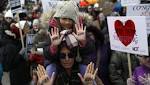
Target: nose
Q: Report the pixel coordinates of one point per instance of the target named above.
(67, 57)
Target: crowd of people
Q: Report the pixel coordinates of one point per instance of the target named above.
(70, 46)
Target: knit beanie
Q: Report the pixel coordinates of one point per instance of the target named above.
(68, 10)
(36, 22)
(8, 14)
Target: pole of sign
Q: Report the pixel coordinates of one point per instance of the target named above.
(129, 65)
(20, 31)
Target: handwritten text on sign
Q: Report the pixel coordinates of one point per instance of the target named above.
(140, 10)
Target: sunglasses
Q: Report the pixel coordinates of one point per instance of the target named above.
(63, 55)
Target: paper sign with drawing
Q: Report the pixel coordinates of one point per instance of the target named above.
(128, 34)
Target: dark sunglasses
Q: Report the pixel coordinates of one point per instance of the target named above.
(63, 55)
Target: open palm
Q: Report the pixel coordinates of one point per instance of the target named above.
(43, 78)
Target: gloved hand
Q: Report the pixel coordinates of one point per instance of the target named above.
(130, 81)
(145, 79)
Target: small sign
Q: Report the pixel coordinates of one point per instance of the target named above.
(128, 34)
(130, 2)
(140, 10)
(15, 5)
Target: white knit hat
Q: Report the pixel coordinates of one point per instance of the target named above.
(68, 10)
(96, 5)
(9, 14)
(22, 24)
(36, 22)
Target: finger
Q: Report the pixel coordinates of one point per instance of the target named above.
(43, 70)
(95, 73)
(50, 36)
(77, 28)
(85, 29)
(92, 68)
(52, 78)
(81, 27)
(52, 32)
(39, 71)
(75, 35)
(82, 79)
(90, 65)
(87, 68)
(38, 74)
(57, 32)
(142, 79)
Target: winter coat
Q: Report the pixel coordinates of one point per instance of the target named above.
(118, 68)
(13, 62)
(40, 40)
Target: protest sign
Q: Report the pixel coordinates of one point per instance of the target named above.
(51, 4)
(128, 34)
(15, 5)
(140, 10)
(130, 2)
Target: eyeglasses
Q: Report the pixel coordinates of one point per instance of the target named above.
(63, 55)
(8, 18)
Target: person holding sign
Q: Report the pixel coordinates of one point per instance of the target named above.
(141, 74)
(13, 57)
(118, 67)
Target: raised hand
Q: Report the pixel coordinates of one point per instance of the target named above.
(54, 36)
(80, 32)
(130, 81)
(89, 76)
(43, 78)
(145, 79)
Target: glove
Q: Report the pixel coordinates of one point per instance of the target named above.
(130, 81)
(145, 79)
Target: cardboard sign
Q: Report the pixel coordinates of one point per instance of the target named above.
(51, 4)
(140, 10)
(130, 2)
(29, 41)
(15, 5)
(128, 34)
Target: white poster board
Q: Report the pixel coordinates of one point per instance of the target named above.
(128, 34)
(140, 10)
(51, 4)
(22, 2)
(15, 5)
(130, 2)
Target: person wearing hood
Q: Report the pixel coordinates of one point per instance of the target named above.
(66, 25)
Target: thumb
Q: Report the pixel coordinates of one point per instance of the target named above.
(82, 79)
(52, 77)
